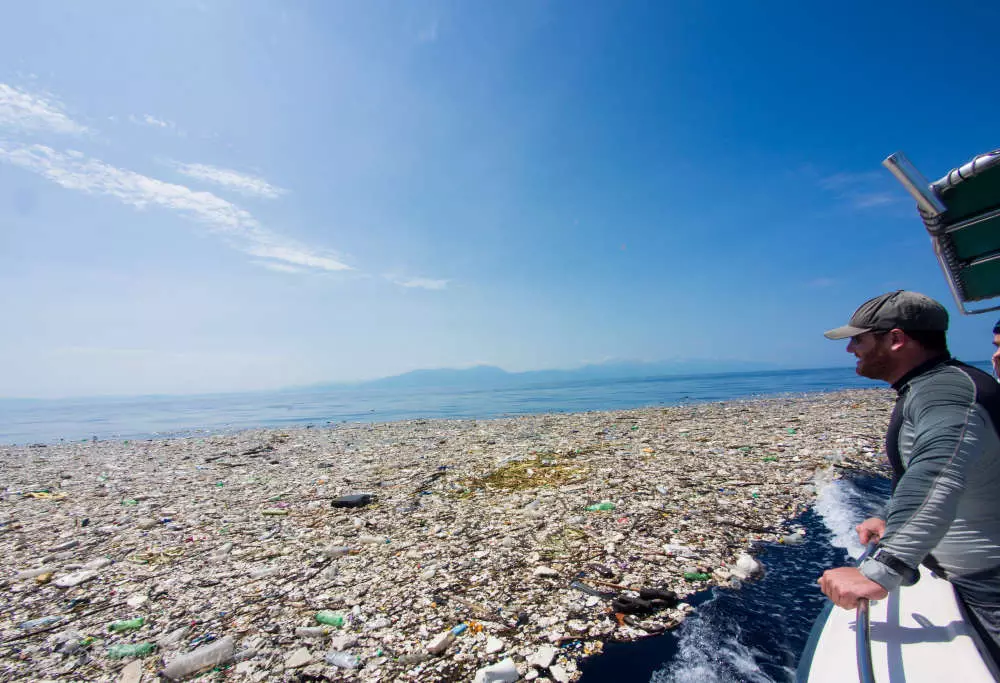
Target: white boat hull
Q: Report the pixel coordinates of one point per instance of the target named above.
(918, 634)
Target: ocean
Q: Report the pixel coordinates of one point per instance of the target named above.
(758, 632)
(140, 417)
(752, 634)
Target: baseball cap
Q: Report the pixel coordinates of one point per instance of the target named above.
(900, 309)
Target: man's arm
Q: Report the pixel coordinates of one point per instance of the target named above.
(946, 442)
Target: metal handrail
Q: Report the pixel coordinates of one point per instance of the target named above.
(863, 644)
(915, 183)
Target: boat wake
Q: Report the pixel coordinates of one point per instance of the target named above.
(757, 633)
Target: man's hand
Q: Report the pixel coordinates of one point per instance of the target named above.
(846, 585)
(870, 530)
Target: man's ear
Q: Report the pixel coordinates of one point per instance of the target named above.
(898, 339)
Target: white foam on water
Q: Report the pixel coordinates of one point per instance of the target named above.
(841, 506)
(711, 653)
(711, 649)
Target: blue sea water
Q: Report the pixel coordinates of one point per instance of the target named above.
(46, 421)
(758, 632)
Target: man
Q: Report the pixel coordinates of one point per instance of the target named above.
(996, 354)
(944, 448)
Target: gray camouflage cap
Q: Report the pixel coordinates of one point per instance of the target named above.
(907, 311)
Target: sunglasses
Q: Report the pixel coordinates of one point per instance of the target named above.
(856, 339)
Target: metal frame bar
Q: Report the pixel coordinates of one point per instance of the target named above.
(932, 206)
(915, 183)
(968, 222)
(953, 286)
(866, 673)
(862, 640)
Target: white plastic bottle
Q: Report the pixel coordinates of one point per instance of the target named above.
(205, 657)
(345, 660)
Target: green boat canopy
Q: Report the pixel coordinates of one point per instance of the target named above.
(962, 214)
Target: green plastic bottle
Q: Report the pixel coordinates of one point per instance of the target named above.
(126, 624)
(137, 650)
(696, 576)
(330, 618)
(603, 506)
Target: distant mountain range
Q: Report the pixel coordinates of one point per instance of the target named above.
(489, 376)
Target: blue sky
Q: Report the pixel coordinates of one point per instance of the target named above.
(206, 196)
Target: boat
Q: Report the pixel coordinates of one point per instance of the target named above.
(921, 632)
(917, 634)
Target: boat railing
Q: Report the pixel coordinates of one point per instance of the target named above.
(863, 641)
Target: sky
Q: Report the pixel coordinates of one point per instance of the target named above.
(202, 196)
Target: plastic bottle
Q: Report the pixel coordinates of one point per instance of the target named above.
(603, 506)
(136, 650)
(312, 631)
(330, 618)
(174, 637)
(504, 671)
(126, 624)
(345, 660)
(441, 643)
(337, 551)
(264, 571)
(696, 576)
(205, 657)
(34, 573)
(39, 623)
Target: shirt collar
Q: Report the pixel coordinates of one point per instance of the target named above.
(919, 370)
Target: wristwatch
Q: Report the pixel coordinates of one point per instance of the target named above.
(909, 574)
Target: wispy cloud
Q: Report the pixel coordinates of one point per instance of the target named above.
(75, 171)
(419, 283)
(863, 190)
(150, 120)
(842, 181)
(22, 111)
(243, 183)
(279, 267)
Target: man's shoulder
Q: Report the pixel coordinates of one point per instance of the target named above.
(955, 380)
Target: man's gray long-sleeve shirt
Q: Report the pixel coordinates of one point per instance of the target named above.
(945, 449)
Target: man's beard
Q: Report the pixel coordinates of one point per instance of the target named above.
(874, 365)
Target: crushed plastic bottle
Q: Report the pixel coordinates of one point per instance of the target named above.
(135, 650)
(312, 631)
(205, 657)
(264, 572)
(39, 623)
(603, 506)
(344, 660)
(126, 624)
(330, 618)
(696, 576)
(443, 641)
(504, 671)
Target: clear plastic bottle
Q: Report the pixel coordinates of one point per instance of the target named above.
(345, 660)
(39, 623)
(312, 631)
(205, 657)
